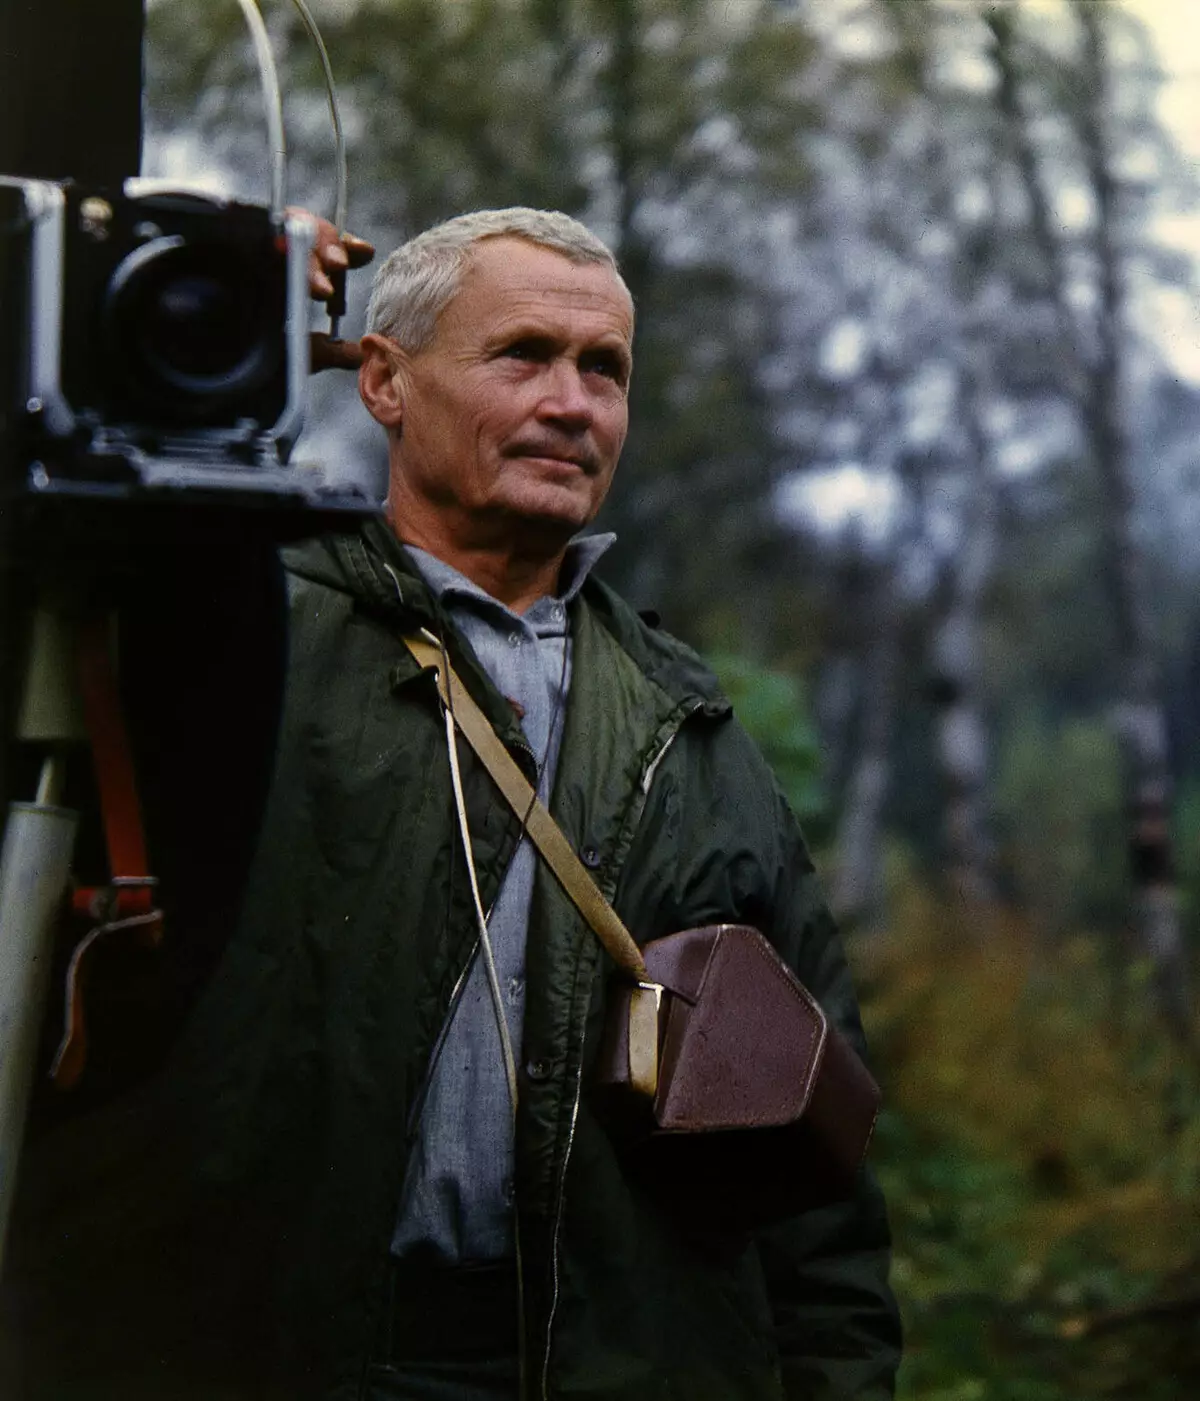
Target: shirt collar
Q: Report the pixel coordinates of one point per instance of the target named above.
(579, 560)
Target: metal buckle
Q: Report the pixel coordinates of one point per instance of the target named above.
(656, 988)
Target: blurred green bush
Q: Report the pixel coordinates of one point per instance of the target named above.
(1041, 1158)
(1040, 1145)
(774, 709)
(1058, 804)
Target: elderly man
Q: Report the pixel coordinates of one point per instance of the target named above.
(384, 1227)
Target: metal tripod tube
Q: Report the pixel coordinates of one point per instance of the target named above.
(35, 864)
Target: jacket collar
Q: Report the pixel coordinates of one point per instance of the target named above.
(374, 567)
(671, 664)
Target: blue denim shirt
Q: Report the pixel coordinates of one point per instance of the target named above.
(457, 1200)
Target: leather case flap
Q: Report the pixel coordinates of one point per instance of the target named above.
(748, 1052)
(679, 961)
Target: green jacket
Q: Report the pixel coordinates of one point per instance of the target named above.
(307, 1056)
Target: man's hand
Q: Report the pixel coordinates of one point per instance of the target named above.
(332, 257)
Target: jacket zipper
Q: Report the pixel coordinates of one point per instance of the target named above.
(646, 781)
(418, 1104)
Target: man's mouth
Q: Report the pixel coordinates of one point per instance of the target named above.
(544, 452)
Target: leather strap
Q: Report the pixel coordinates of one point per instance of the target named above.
(558, 854)
(120, 807)
(129, 901)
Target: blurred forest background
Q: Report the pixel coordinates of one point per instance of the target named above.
(912, 464)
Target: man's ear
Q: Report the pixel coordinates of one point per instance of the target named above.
(380, 380)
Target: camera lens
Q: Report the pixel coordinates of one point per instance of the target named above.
(194, 324)
(196, 327)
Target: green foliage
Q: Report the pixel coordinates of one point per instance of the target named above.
(1058, 797)
(773, 708)
(1040, 1164)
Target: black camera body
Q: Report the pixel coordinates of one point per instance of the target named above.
(153, 348)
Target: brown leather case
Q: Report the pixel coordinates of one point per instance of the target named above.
(754, 1106)
(763, 1108)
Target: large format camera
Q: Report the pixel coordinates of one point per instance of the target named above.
(153, 348)
(154, 358)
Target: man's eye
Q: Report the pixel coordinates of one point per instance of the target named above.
(610, 366)
(525, 350)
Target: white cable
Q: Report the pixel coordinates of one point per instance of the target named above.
(489, 963)
(339, 204)
(268, 76)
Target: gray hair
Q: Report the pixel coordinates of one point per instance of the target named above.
(415, 284)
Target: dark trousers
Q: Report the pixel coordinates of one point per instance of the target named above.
(448, 1335)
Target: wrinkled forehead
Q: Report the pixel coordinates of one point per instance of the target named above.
(509, 270)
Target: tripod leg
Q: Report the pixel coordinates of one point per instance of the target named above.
(35, 864)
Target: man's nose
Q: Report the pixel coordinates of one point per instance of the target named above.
(566, 398)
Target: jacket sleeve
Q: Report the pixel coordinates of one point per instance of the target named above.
(740, 855)
(837, 1323)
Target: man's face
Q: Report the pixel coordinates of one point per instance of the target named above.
(515, 414)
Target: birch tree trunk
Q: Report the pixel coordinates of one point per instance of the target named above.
(952, 252)
(858, 894)
(960, 729)
(1092, 353)
(956, 652)
(1139, 715)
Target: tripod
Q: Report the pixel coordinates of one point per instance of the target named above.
(35, 865)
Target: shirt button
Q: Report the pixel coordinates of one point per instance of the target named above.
(558, 612)
(516, 986)
(514, 639)
(590, 856)
(538, 1070)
